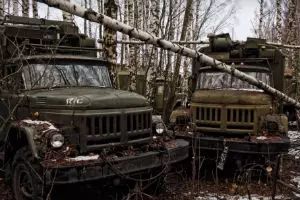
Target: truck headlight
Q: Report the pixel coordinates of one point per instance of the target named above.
(57, 140)
(159, 128)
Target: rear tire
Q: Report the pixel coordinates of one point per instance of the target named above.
(26, 183)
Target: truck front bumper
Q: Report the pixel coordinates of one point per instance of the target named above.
(97, 169)
(252, 145)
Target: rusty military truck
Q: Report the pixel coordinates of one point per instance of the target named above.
(61, 119)
(228, 114)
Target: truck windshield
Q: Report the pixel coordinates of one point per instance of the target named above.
(221, 80)
(67, 75)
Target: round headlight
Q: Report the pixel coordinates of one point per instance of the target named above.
(160, 128)
(57, 140)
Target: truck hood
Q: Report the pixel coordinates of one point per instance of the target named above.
(84, 97)
(243, 97)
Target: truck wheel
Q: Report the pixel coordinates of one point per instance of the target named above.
(26, 184)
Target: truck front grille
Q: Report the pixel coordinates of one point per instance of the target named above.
(104, 125)
(119, 128)
(208, 114)
(215, 118)
(240, 115)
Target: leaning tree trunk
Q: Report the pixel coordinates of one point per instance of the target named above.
(110, 37)
(35, 9)
(67, 17)
(164, 44)
(25, 8)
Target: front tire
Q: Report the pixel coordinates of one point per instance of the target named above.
(26, 183)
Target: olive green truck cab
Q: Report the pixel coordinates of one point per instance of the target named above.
(61, 119)
(229, 114)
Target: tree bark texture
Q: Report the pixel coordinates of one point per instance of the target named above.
(15, 8)
(278, 21)
(175, 80)
(90, 24)
(124, 36)
(35, 9)
(1, 9)
(187, 60)
(67, 17)
(100, 8)
(110, 37)
(152, 69)
(261, 15)
(292, 40)
(167, 72)
(25, 8)
(132, 65)
(85, 21)
(164, 44)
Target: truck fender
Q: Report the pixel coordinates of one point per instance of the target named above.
(25, 136)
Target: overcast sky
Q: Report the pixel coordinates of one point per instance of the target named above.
(242, 25)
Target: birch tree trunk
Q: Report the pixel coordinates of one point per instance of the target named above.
(25, 8)
(124, 36)
(292, 40)
(100, 5)
(175, 80)
(110, 37)
(291, 22)
(163, 34)
(137, 25)
(35, 9)
(1, 9)
(67, 17)
(9, 7)
(85, 21)
(196, 21)
(186, 59)
(167, 72)
(154, 29)
(278, 21)
(296, 52)
(261, 15)
(132, 67)
(164, 44)
(90, 24)
(15, 8)
(146, 20)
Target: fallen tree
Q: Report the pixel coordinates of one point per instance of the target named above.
(92, 15)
